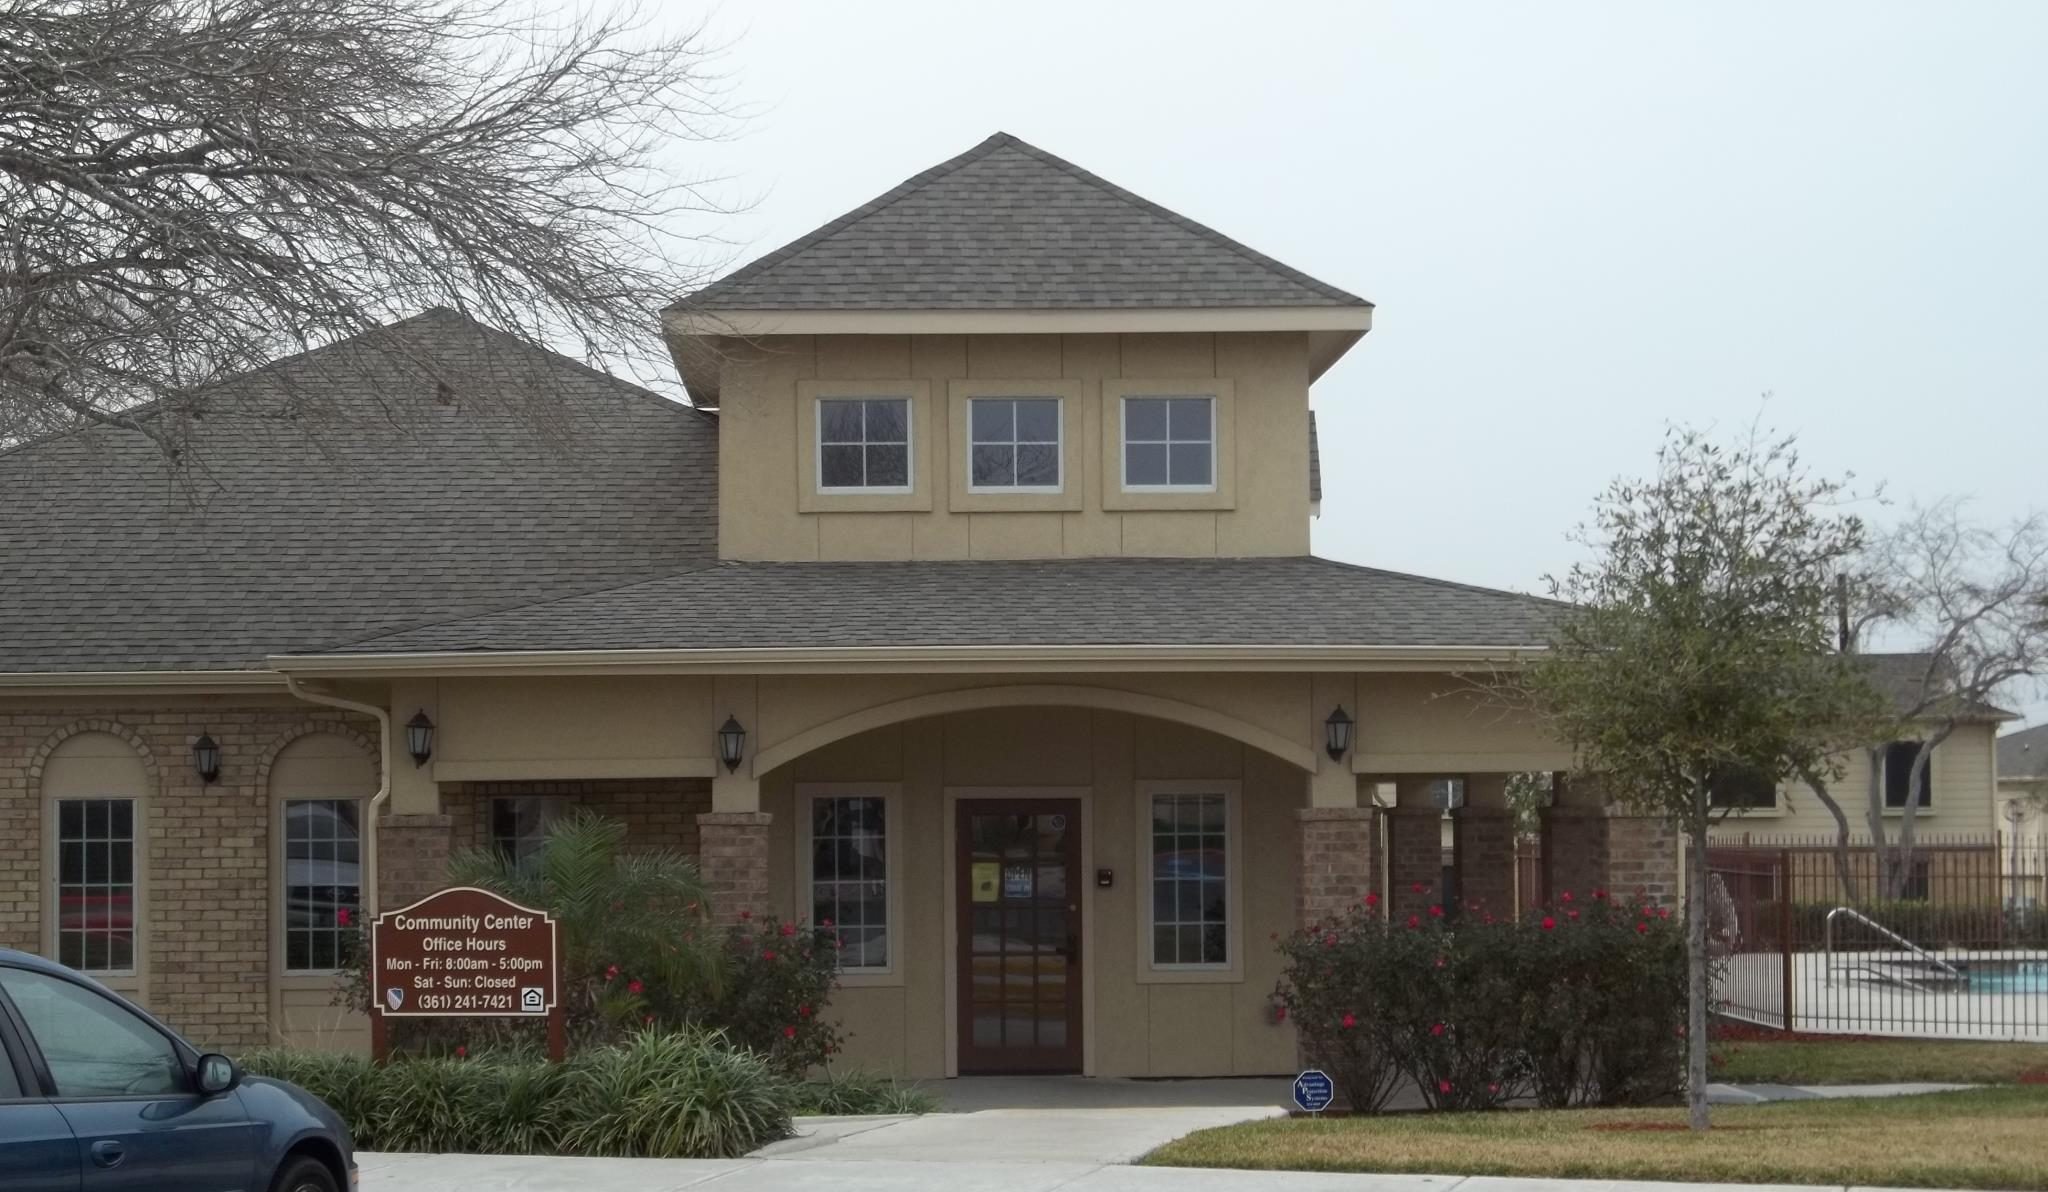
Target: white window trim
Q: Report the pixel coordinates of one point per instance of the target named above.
(125, 980)
(891, 795)
(1059, 445)
(818, 445)
(1124, 433)
(282, 877)
(1232, 970)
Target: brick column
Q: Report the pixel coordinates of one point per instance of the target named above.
(412, 858)
(732, 849)
(1485, 839)
(1589, 843)
(1642, 854)
(1415, 857)
(1339, 861)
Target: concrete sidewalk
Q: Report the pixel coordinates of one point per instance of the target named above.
(470, 1173)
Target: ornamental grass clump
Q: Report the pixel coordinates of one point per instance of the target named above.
(1582, 1002)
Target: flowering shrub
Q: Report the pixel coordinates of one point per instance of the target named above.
(776, 979)
(1582, 1002)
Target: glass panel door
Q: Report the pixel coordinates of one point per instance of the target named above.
(1020, 935)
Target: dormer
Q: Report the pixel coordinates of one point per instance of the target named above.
(1009, 357)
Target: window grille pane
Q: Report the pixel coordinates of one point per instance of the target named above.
(96, 884)
(1190, 899)
(1144, 463)
(888, 467)
(888, 420)
(1038, 420)
(995, 420)
(1038, 465)
(994, 465)
(849, 878)
(839, 422)
(841, 467)
(1144, 420)
(1190, 464)
(321, 880)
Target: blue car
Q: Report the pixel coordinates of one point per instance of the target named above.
(97, 1096)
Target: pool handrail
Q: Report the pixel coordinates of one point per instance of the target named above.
(1827, 935)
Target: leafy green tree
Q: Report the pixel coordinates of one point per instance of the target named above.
(1701, 649)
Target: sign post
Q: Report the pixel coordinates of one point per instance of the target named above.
(1313, 1091)
(464, 953)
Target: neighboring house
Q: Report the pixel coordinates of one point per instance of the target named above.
(989, 529)
(2023, 812)
(1958, 801)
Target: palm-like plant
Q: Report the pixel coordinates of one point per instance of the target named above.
(635, 938)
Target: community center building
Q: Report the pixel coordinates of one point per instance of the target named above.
(968, 605)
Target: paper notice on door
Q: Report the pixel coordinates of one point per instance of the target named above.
(984, 878)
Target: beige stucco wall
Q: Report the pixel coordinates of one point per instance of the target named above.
(1434, 723)
(766, 472)
(505, 729)
(1138, 1026)
(1964, 768)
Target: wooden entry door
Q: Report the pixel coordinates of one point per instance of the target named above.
(1019, 863)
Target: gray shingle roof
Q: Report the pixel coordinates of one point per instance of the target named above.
(1914, 683)
(1277, 601)
(2024, 754)
(291, 543)
(1008, 226)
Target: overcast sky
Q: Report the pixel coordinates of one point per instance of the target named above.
(1580, 222)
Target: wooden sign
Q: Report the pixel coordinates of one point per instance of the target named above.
(464, 953)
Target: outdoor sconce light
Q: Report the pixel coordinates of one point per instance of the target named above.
(1337, 734)
(732, 743)
(206, 758)
(419, 738)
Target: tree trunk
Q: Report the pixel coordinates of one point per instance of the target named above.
(1845, 874)
(1697, 993)
(1909, 816)
(1880, 840)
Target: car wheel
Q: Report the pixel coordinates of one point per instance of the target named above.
(304, 1174)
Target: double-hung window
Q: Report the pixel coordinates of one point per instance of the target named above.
(1014, 444)
(864, 445)
(1190, 862)
(1899, 758)
(96, 884)
(322, 881)
(847, 863)
(1169, 444)
(519, 824)
(1742, 789)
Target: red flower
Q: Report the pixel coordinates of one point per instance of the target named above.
(1418, 887)
(1437, 1030)
(1643, 927)
(768, 955)
(1443, 1086)
(1330, 940)
(1436, 911)
(788, 929)
(1494, 1088)
(789, 1032)
(1663, 912)
(1279, 1014)
(1549, 923)
(341, 916)
(1350, 1020)
(824, 922)
(1572, 914)
(634, 986)
(611, 973)
(1372, 899)
(461, 1052)
(1414, 921)
(647, 1021)
(1489, 917)
(1565, 897)
(803, 1011)
(745, 915)
(1440, 962)
(1599, 894)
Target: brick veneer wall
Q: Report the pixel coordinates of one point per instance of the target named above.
(1585, 849)
(658, 812)
(1338, 863)
(205, 857)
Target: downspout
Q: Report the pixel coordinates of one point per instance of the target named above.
(377, 801)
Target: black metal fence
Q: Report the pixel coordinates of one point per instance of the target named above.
(1950, 941)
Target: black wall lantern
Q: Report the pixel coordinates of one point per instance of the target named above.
(206, 758)
(1337, 734)
(419, 738)
(732, 743)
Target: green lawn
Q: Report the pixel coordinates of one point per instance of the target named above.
(1985, 1138)
(1879, 1062)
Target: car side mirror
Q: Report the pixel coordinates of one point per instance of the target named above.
(217, 1074)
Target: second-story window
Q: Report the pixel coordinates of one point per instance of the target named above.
(1015, 444)
(1169, 443)
(864, 444)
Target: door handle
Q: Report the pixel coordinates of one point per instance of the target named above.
(108, 1153)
